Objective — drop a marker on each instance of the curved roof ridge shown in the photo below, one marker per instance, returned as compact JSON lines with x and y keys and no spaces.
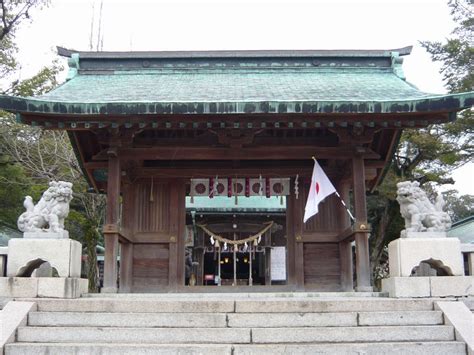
{"x":65,"y":52}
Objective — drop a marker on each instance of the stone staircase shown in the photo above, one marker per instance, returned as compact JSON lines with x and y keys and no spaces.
{"x":226,"y":324}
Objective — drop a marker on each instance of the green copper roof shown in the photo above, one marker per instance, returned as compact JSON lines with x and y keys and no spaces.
{"x":236,"y":82}
{"x":464,"y":230}
{"x":237,"y":85}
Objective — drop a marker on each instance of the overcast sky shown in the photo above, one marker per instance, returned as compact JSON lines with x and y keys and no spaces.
{"x":245,"y":24}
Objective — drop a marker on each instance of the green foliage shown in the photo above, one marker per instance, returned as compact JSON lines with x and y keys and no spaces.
{"x":42,"y":82}
{"x":456,"y":55}
{"x":30,"y":157}
{"x":12,"y":14}
{"x":458,"y":207}
{"x":429,"y":155}
{"x":13,"y":185}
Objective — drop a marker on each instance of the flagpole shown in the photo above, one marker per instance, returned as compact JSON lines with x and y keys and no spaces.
{"x":342,"y":201}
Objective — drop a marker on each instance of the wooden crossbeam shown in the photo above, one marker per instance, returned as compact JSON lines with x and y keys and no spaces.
{"x":255,"y":153}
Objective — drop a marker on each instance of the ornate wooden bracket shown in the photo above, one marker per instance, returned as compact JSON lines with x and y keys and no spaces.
{"x":355,"y":134}
{"x":235,"y":138}
{"x":118,"y":136}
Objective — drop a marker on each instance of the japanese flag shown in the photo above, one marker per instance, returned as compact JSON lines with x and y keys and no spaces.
{"x":321,"y":187}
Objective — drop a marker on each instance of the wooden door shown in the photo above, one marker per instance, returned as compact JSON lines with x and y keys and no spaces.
{"x":154,"y":218}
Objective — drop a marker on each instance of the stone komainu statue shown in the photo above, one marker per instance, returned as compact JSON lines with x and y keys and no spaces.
{"x":419,"y":212}
{"x":50,"y":211}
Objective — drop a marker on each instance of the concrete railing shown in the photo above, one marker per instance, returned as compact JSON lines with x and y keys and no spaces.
{"x":14,"y":315}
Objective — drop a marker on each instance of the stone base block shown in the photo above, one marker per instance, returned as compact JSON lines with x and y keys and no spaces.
{"x":109,"y":290}
{"x":446,"y":286}
{"x":46,"y":235}
{"x":410,"y":234}
{"x":436,"y":286}
{"x":406,"y":253}
{"x":364,"y":288}
{"x":22,"y":287}
{"x":63,"y":254}
{"x":48,"y":287}
{"x":399,"y":287}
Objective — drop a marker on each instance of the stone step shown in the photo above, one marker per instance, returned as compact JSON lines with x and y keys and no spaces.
{"x":274,"y":320}
{"x":133,"y":335}
{"x":234,"y":335}
{"x":346,"y":305}
{"x":235,"y":295}
{"x":224,"y":305}
{"x":140,"y":320}
{"x":352,"y":334}
{"x":119,"y":349}
{"x":412,"y":348}
{"x":401,"y":318}
{"x":233,"y":320}
{"x":135,"y":306}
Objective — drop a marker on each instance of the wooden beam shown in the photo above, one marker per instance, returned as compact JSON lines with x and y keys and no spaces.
{"x":257,"y":153}
{"x":151,"y":237}
{"x":208,"y":171}
{"x":318,"y":237}
{"x":92,"y":165}
{"x":345,"y":234}
{"x":205,"y":170}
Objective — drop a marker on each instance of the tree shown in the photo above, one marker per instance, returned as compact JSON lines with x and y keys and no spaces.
{"x":48,"y":155}
{"x":12,"y":14}
{"x":429,"y":155}
{"x":30,"y":157}
{"x":458,"y":207}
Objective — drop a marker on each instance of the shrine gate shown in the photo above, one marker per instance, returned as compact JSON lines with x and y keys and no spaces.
{"x":149,"y":127}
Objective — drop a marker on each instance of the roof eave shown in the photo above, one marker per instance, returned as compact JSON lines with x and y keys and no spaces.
{"x":441,"y":103}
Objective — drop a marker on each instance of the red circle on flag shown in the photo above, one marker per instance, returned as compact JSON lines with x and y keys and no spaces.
{"x":256,"y":187}
{"x":317,"y":188}
{"x":238,"y":188}
{"x":278,"y":188}
{"x":200,"y":188}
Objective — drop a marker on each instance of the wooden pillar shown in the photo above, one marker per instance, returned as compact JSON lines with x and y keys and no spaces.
{"x":126,"y":264}
{"x":361,"y":238}
{"x":298,"y":212}
{"x":268,"y":258}
{"x":345,"y":247}
{"x":111,"y":228}
{"x":177,"y":232}
{"x":290,"y":241}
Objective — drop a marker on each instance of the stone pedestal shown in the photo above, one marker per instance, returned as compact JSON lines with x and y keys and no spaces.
{"x":406,"y":253}
{"x":409,"y":234}
{"x":399,"y":287}
{"x":46,"y":235}
{"x":433,"y":286}
{"x":48,"y":287}
{"x":63,"y":254}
